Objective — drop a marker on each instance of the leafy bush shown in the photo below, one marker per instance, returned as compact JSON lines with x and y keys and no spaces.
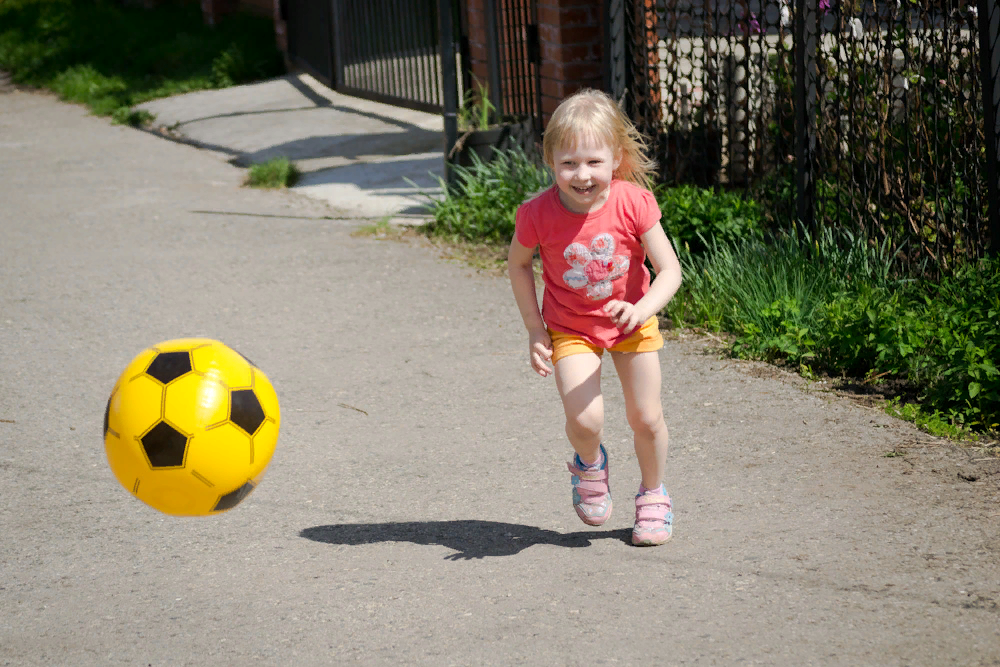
{"x":481,"y":206}
{"x":943,"y":337}
{"x":693,"y":216}
{"x":831,"y":302}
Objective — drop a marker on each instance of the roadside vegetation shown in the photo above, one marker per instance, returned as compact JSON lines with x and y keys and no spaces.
{"x":111,"y":57}
{"x":277,"y":172}
{"x":828,"y":304}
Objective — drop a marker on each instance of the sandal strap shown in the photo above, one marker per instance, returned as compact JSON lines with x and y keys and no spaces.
{"x":588,"y":475}
{"x":653,"y":507}
{"x":589,"y":484}
{"x":653,"y":499}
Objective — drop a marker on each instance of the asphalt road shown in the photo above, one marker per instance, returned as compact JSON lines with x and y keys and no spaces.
{"x":417,"y":510}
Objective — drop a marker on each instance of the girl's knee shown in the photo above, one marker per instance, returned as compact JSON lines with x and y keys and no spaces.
{"x":647,"y":422}
{"x":588,"y":422}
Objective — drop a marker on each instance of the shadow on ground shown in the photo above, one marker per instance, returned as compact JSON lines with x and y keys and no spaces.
{"x":468,"y":537}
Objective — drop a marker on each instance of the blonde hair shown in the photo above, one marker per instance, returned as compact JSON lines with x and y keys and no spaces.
{"x":594,"y":114}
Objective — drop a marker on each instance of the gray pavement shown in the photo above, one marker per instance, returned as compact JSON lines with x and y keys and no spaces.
{"x":365,"y":159}
{"x":417,"y":507}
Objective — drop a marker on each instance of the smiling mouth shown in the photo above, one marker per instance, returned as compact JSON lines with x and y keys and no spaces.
{"x":584,"y":191}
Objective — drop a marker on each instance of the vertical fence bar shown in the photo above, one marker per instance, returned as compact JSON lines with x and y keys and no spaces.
{"x":989,"y":54}
{"x":805,"y":116}
{"x":509,"y":56}
{"x":493,"y":53}
{"x":614,"y":48}
{"x":536,"y":58}
{"x":449,"y":84}
{"x":337,"y":51}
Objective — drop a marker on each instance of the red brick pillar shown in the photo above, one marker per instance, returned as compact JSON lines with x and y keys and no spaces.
{"x":572,"y":45}
{"x":213,"y":10}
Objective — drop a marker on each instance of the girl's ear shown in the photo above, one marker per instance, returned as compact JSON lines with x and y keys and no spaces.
{"x":618,"y":159}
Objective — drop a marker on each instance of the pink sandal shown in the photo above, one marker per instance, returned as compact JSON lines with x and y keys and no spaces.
{"x":654,"y":518}
{"x":591,"y":492}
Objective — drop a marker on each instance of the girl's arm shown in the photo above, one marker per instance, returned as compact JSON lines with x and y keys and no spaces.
{"x":627,"y":316}
{"x":522,"y":281}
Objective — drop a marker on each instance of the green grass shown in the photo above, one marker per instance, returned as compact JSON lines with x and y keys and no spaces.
{"x":279,"y":172}
{"x":935,"y":423}
{"x":111,"y":58}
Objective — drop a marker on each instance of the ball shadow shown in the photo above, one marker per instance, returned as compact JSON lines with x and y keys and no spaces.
{"x":470,"y":538}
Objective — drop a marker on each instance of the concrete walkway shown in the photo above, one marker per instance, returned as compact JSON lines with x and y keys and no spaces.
{"x":417,"y":510}
{"x":365,"y":159}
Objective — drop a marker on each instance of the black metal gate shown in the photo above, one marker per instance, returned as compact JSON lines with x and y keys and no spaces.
{"x":391,"y":51}
{"x":309,"y":45}
{"x":384,"y":50}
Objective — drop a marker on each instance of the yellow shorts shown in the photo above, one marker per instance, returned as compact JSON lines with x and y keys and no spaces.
{"x":646,"y":339}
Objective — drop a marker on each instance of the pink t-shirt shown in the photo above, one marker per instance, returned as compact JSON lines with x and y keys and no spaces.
{"x":589,"y":258}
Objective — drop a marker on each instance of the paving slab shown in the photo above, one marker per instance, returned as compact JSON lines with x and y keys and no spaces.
{"x":417,"y":510}
{"x":366,"y":159}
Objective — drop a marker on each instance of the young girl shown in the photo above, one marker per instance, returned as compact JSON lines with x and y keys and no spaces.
{"x":594,"y":229}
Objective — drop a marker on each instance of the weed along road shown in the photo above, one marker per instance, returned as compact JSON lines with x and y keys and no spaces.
{"x":417,"y":508}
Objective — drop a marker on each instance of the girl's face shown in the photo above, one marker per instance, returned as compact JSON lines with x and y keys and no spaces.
{"x":583,"y":174}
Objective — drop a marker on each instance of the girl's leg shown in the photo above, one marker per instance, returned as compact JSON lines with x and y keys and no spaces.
{"x":640,"y":377}
{"x":578,"y":378}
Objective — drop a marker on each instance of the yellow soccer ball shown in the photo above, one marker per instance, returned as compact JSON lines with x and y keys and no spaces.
{"x":190,"y":426}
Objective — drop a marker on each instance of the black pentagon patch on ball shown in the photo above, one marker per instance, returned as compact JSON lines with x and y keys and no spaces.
{"x":164,"y":446}
{"x":168,"y":366}
{"x":233,"y":498}
{"x":246,"y":411}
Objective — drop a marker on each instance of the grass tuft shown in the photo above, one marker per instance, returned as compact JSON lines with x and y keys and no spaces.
{"x":279,"y":172}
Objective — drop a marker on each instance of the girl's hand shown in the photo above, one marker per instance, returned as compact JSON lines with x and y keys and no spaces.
{"x":540,"y":351}
{"x":625,"y":315}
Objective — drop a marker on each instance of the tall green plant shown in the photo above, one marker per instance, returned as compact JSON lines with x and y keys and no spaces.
{"x":481,"y":205}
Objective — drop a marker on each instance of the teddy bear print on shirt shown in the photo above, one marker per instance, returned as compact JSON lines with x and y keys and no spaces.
{"x":596,"y":267}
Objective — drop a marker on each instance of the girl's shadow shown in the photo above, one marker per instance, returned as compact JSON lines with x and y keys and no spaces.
{"x":470,"y":538}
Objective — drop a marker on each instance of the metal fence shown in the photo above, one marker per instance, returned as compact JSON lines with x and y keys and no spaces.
{"x":389,"y":50}
{"x":844,"y":112}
